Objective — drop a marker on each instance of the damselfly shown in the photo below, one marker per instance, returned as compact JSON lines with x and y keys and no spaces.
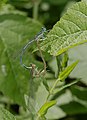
{"x":40,"y":35}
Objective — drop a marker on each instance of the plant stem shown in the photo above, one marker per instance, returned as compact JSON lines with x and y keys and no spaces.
{"x":35,"y":9}
{"x":58,"y":58}
{"x":67,"y":85}
{"x":52,"y":89}
{"x":54,"y":85}
{"x":42,"y":58}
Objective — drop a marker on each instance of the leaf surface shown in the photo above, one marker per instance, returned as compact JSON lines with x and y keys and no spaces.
{"x":6,"y":115}
{"x":64,"y":74}
{"x":45,"y":107}
{"x":73,"y":108}
{"x":15,"y":30}
{"x":70,"y":31}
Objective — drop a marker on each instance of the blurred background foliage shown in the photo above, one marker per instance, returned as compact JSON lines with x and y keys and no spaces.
{"x":72,"y":102}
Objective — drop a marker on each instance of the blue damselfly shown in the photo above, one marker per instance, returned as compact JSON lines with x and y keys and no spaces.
{"x":39,"y":36}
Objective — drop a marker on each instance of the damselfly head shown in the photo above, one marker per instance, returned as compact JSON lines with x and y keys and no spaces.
{"x":43,"y":29}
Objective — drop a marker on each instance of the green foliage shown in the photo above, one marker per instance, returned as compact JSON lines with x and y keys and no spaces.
{"x":65,"y":86}
{"x":84,"y":0}
{"x":79,"y":53}
{"x":79,"y":92}
{"x":45,"y":84}
{"x":65,"y":73}
{"x":14,"y":29}
{"x":69,"y":31}
{"x":3,"y":1}
{"x":6,"y":115}
{"x":34,"y":95}
{"x":64,"y":60}
{"x":70,"y":110}
{"x":45,"y":107}
{"x":62,"y":76}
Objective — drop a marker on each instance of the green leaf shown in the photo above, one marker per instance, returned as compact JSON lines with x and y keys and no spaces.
{"x":80,"y":53}
{"x":21,"y":3}
{"x":65,"y":86}
{"x":64,"y":60}
{"x":15,"y":30}
{"x":45,"y":107}
{"x":64,"y":74}
{"x":70,"y":31}
{"x":45,"y":84}
{"x":8,"y":8}
{"x":6,"y":115}
{"x":3,"y":1}
{"x":84,"y":0}
{"x":42,"y":118}
{"x":73,"y":108}
{"x":79,"y":92}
